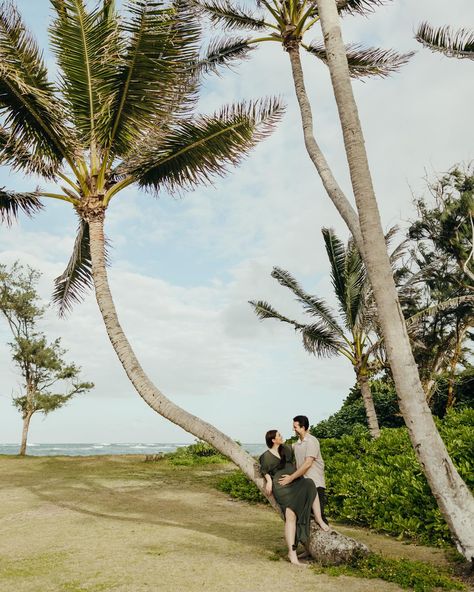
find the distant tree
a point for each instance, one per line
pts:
(453, 43)
(438, 278)
(41, 364)
(355, 338)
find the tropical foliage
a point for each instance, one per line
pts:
(120, 113)
(355, 337)
(287, 22)
(438, 288)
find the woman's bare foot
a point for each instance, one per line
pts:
(293, 559)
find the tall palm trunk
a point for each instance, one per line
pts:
(143, 385)
(335, 193)
(453, 497)
(372, 421)
(24, 433)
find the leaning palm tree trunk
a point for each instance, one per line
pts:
(314, 151)
(372, 421)
(453, 497)
(143, 385)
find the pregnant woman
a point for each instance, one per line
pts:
(296, 499)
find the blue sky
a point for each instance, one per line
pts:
(184, 268)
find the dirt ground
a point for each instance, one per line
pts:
(118, 524)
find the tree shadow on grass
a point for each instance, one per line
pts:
(132, 493)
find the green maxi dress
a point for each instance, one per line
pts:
(298, 495)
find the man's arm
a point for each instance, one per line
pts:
(287, 479)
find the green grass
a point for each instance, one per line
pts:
(412, 575)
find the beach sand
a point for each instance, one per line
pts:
(118, 524)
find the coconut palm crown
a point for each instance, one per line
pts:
(121, 112)
(287, 22)
(325, 335)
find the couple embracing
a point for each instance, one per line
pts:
(295, 477)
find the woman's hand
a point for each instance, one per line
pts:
(285, 480)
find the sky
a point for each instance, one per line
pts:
(183, 268)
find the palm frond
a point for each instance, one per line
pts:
(71, 285)
(32, 113)
(224, 52)
(15, 154)
(265, 311)
(337, 258)
(11, 204)
(320, 341)
(362, 7)
(450, 305)
(355, 283)
(231, 16)
(85, 43)
(365, 61)
(155, 78)
(312, 304)
(197, 150)
(453, 43)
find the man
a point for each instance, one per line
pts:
(309, 462)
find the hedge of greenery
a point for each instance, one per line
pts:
(379, 483)
(199, 453)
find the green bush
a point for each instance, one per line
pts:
(415, 575)
(239, 486)
(199, 453)
(379, 483)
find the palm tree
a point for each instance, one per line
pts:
(288, 22)
(324, 335)
(121, 114)
(453, 496)
(453, 43)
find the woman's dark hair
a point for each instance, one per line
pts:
(269, 437)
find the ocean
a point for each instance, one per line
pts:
(93, 449)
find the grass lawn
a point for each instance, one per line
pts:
(118, 524)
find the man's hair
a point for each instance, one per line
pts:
(303, 421)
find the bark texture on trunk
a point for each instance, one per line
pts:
(162, 405)
(24, 433)
(335, 193)
(370, 412)
(453, 496)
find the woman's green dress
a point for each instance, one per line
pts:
(298, 495)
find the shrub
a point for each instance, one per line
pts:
(198, 453)
(379, 483)
(239, 486)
